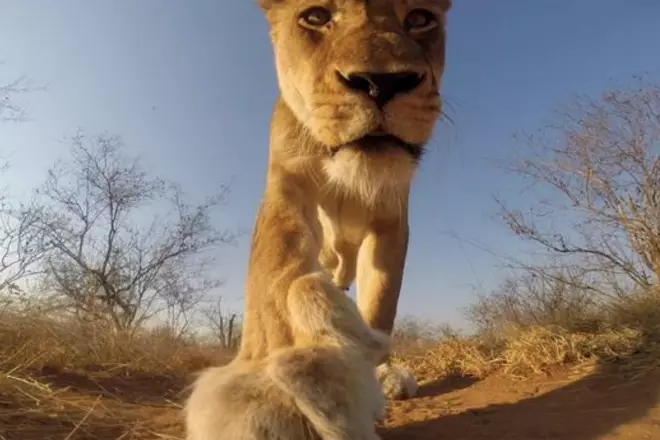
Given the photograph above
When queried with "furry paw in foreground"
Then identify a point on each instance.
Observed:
(309, 393)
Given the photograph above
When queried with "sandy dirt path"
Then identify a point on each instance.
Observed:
(561, 406)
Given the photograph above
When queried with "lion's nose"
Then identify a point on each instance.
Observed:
(382, 87)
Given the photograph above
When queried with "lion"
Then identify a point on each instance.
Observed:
(322, 389)
(359, 98)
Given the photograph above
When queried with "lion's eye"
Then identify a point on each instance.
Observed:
(420, 20)
(315, 17)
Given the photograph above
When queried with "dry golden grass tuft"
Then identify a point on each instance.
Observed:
(536, 350)
(61, 379)
(626, 335)
(30, 341)
(35, 409)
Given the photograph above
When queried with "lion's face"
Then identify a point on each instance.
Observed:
(363, 77)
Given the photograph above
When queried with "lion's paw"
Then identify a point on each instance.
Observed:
(397, 383)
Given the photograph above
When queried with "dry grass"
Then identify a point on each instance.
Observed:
(61, 379)
(33, 410)
(64, 380)
(31, 341)
(536, 350)
(626, 333)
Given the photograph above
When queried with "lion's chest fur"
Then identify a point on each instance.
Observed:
(342, 228)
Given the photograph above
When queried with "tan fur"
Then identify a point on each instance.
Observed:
(343, 216)
(324, 390)
(333, 211)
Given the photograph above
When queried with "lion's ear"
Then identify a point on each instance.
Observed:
(267, 4)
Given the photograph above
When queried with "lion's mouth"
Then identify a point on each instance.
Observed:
(380, 141)
(384, 141)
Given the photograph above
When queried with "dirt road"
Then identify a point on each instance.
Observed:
(562, 406)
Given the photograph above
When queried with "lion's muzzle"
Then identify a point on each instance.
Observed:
(381, 87)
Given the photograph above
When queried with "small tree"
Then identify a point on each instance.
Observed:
(225, 326)
(598, 176)
(20, 247)
(102, 251)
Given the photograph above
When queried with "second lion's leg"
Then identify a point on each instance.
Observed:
(381, 261)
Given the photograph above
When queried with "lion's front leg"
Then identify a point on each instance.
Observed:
(381, 261)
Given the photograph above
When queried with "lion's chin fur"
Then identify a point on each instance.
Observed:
(372, 177)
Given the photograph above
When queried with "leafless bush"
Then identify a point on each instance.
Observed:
(595, 216)
(32, 338)
(225, 326)
(20, 249)
(532, 299)
(104, 255)
(597, 179)
(639, 310)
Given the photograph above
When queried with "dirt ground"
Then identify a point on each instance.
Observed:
(561, 406)
(566, 405)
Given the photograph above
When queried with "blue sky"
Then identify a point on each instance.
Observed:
(190, 87)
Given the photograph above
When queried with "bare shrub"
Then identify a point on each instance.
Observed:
(594, 221)
(596, 173)
(105, 256)
(32, 338)
(591, 292)
(225, 326)
(534, 298)
(639, 310)
(412, 330)
(20, 248)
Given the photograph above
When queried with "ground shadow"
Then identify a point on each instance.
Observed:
(445, 385)
(24, 416)
(583, 410)
(89, 405)
(38, 425)
(129, 387)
